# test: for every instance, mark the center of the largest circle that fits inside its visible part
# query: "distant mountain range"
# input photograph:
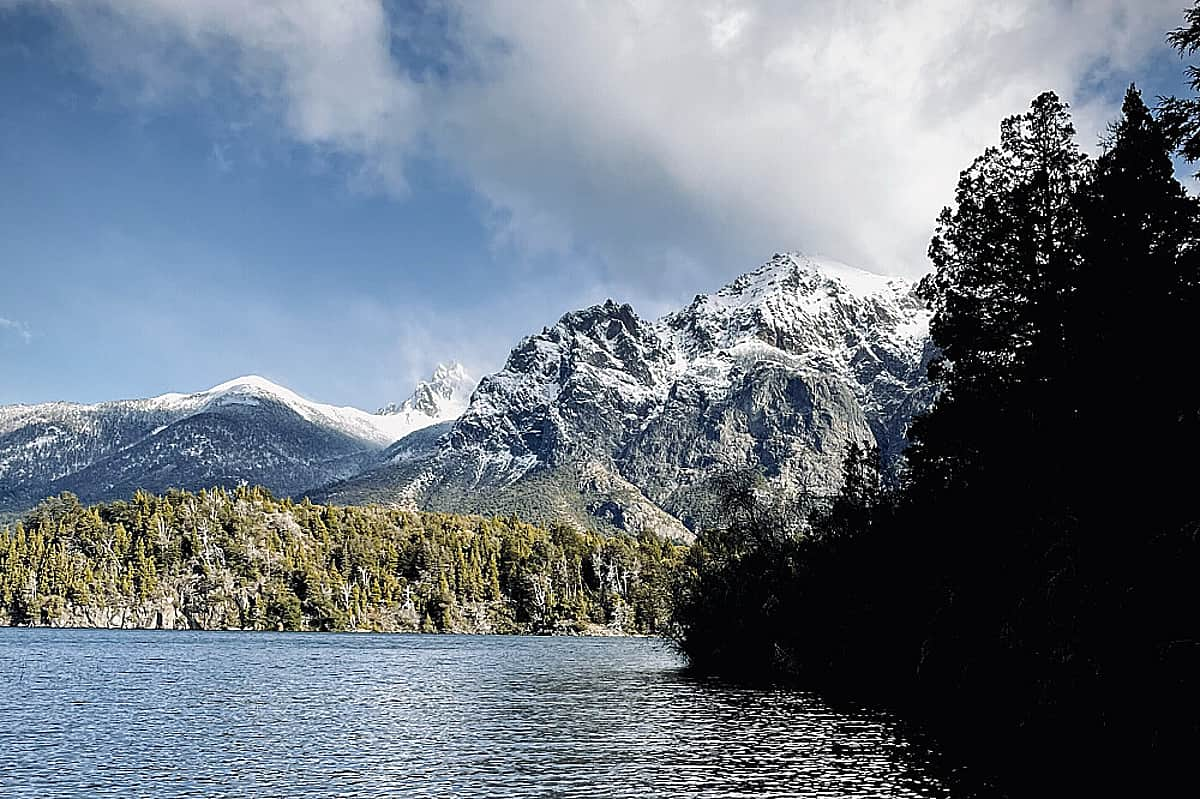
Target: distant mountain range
(247, 430)
(603, 420)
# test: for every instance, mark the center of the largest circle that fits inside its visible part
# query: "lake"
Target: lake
(175, 714)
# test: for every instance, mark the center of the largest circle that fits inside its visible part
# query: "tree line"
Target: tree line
(1031, 589)
(243, 559)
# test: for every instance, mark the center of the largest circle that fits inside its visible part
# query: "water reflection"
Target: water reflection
(200, 714)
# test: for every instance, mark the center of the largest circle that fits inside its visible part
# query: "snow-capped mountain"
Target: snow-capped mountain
(442, 398)
(608, 419)
(245, 430)
(604, 419)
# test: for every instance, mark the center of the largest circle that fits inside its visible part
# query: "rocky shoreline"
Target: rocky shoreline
(167, 614)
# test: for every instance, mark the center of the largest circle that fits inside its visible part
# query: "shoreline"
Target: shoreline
(247, 630)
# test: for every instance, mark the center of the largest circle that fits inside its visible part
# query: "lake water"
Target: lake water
(174, 714)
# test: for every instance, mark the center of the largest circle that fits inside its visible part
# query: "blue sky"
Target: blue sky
(338, 196)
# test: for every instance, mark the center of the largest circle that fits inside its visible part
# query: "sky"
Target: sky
(340, 195)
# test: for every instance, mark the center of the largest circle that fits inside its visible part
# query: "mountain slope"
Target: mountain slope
(604, 419)
(613, 421)
(245, 430)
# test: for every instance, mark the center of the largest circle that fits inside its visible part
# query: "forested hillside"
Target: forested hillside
(1032, 585)
(245, 560)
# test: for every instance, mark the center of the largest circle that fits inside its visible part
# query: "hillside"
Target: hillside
(244, 560)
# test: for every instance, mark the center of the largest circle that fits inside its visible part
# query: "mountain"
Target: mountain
(610, 420)
(442, 398)
(247, 430)
(604, 419)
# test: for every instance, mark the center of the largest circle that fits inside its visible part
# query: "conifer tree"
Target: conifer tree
(1134, 313)
(1180, 116)
(987, 461)
(1136, 592)
(1005, 258)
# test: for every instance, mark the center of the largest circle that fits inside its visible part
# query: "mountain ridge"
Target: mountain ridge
(248, 429)
(603, 419)
(783, 368)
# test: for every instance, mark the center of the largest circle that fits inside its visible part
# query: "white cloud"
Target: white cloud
(323, 69)
(12, 327)
(654, 140)
(728, 130)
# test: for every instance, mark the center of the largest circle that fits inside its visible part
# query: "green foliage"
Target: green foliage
(246, 560)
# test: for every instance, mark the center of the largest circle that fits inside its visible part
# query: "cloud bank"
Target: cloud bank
(655, 141)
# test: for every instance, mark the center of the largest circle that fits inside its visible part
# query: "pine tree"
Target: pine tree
(493, 575)
(1180, 116)
(1005, 258)
(1135, 310)
(987, 461)
(1136, 593)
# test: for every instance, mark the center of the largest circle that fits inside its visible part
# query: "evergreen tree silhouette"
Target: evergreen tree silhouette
(1136, 591)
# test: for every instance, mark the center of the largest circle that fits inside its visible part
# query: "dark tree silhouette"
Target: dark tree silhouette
(1180, 116)
(1136, 594)
(1031, 588)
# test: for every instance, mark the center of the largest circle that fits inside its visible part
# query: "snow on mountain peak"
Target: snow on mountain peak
(796, 303)
(787, 363)
(249, 381)
(450, 374)
(239, 386)
(805, 274)
(245, 390)
(251, 390)
(442, 398)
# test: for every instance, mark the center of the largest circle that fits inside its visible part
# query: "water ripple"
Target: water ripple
(180, 714)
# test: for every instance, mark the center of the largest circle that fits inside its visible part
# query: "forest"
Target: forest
(1029, 590)
(244, 560)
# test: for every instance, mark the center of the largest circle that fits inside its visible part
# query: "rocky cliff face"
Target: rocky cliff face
(611, 420)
